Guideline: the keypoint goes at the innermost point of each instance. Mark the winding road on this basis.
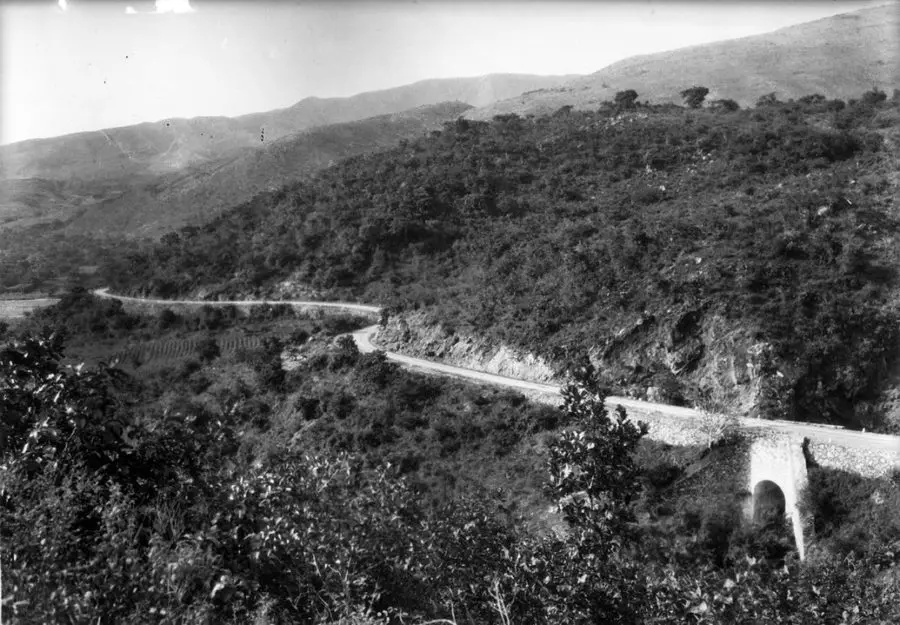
(364, 340)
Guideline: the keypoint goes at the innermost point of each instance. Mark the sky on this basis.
(74, 65)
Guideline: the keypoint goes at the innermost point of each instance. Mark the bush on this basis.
(663, 474)
(207, 349)
(852, 513)
(166, 319)
(726, 105)
(346, 355)
(174, 522)
(694, 96)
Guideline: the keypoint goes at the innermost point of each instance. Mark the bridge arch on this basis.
(777, 477)
(769, 503)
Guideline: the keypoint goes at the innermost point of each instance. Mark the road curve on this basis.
(822, 433)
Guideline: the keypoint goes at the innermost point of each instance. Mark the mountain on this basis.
(480, 91)
(42, 180)
(196, 194)
(171, 144)
(839, 57)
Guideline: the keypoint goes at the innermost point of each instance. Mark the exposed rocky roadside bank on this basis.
(412, 334)
(649, 359)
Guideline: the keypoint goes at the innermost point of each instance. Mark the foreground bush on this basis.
(109, 519)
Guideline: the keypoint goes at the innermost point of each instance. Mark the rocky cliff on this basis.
(413, 335)
(665, 361)
(671, 360)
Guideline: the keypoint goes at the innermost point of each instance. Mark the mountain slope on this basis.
(198, 193)
(839, 57)
(46, 180)
(480, 91)
(172, 144)
(753, 252)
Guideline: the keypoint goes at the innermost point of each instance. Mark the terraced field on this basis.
(16, 308)
(178, 348)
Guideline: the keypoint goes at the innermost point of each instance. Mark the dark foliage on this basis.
(46, 258)
(694, 96)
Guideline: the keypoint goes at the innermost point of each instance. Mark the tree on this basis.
(54, 414)
(626, 99)
(267, 363)
(346, 355)
(593, 476)
(694, 96)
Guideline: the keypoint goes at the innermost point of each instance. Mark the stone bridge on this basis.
(774, 457)
(777, 477)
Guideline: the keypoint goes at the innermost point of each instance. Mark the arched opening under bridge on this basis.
(769, 505)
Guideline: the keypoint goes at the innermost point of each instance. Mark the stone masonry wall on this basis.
(865, 462)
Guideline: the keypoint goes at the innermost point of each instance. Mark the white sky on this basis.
(72, 65)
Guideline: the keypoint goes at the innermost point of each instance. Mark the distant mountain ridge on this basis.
(480, 91)
(840, 57)
(171, 144)
(196, 194)
(81, 174)
(200, 166)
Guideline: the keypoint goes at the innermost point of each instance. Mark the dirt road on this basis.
(364, 341)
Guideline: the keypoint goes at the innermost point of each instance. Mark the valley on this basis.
(610, 347)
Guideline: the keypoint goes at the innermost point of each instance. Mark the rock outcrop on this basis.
(667, 360)
(413, 335)
(660, 360)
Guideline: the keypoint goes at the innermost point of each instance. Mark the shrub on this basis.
(207, 349)
(726, 105)
(768, 99)
(662, 474)
(165, 319)
(626, 99)
(346, 355)
(694, 96)
(850, 512)
(592, 497)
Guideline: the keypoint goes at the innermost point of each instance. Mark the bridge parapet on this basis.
(872, 463)
(865, 454)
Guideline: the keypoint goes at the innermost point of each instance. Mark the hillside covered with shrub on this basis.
(661, 240)
(222, 488)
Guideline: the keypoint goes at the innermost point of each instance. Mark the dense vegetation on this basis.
(557, 233)
(46, 259)
(347, 490)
